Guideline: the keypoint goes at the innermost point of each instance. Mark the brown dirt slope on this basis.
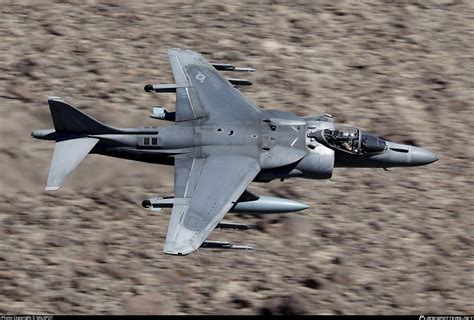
(372, 241)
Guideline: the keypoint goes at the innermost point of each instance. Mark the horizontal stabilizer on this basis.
(66, 157)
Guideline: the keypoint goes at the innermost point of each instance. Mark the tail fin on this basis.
(66, 157)
(73, 147)
(66, 118)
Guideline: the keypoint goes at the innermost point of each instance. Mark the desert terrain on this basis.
(396, 242)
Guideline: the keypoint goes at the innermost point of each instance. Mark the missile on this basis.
(230, 67)
(263, 205)
(171, 87)
(239, 82)
(223, 66)
(156, 204)
(223, 245)
(244, 69)
(234, 226)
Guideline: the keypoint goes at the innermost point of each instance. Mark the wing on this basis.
(202, 92)
(205, 190)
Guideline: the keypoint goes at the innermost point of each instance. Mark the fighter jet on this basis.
(219, 143)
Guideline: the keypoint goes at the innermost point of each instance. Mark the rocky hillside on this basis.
(372, 241)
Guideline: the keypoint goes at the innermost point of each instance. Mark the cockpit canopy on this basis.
(353, 140)
(371, 144)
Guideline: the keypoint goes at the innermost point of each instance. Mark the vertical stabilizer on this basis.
(66, 118)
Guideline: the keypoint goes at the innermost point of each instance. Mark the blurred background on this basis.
(372, 241)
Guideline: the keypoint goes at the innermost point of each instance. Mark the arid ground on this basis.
(372, 242)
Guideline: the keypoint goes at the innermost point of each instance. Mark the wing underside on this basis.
(205, 190)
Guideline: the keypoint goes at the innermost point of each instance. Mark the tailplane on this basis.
(66, 157)
(73, 142)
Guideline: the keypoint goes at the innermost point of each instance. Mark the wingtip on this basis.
(172, 249)
(173, 50)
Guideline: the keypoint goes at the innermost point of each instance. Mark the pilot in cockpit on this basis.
(348, 141)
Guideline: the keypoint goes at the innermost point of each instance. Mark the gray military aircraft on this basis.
(219, 144)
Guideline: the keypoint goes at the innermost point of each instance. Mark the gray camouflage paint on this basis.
(219, 144)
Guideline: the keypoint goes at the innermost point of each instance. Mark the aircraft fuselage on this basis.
(281, 138)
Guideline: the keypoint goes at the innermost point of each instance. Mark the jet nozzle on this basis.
(47, 134)
(148, 88)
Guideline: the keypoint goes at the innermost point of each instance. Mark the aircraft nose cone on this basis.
(420, 156)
